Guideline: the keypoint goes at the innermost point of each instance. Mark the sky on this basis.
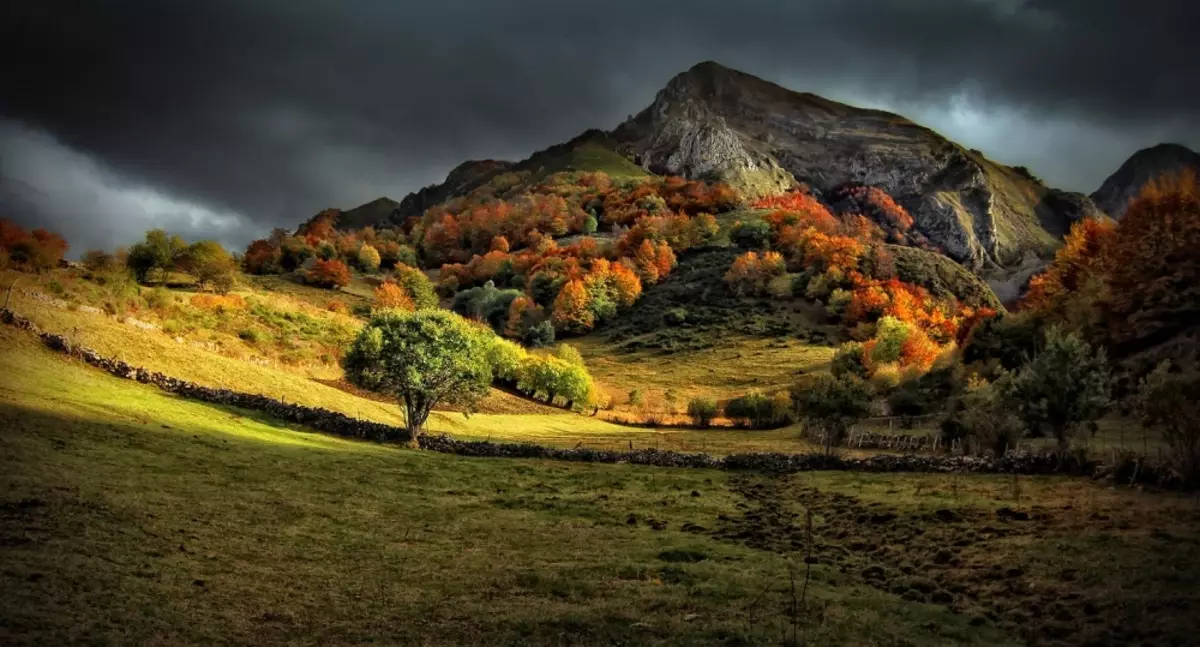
(224, 118)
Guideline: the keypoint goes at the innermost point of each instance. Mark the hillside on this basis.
(1114, 194)
(714, 122)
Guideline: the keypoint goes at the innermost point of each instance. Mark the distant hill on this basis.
(1114, 195)
(376, 212)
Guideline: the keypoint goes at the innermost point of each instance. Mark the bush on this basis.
(675, 316)
(702, 411)
(157, 298)
(252, 336)
(540, 336)
(97, 260)
(829, 405)
(984, 420)
(1168, 401)
(848, 360)
(636, 398)
(338, 306)
(758, 411)
(417, 285)
(754, 234)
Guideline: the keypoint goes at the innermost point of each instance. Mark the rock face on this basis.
(716, 123)
(1114, 195)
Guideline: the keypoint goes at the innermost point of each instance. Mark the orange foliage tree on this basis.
(391, 295)
(329, 274)
(572, 308)
(1154, 266)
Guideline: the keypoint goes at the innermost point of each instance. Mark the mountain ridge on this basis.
(1146, 164)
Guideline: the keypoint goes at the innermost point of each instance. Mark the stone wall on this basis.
(339, 424)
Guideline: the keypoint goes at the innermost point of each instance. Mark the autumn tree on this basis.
(328, 274)
(368, 259)
(572, 309)
(261, 257)
(391, 295)
(1155, 266)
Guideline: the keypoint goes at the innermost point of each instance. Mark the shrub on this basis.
(675, 316)
(98, 260)
(848, 360)
(328, 274)
(391, 295)
(636, 398)
(702, 411)
(157, 298)
(540, 336)
(219, 303)
(754, 234)
(252, 335)
(1168, 401)
(983, 418)
(338, 306)
(829, 405)
(757, 411)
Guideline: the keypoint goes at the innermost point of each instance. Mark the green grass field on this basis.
(132, 516)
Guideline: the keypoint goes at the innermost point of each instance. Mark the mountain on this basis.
(718, 123)
(1113, 196)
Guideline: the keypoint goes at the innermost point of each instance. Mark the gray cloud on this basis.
(274, 109)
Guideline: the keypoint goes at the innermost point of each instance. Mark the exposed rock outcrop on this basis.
(1114, 195)
(718, 123)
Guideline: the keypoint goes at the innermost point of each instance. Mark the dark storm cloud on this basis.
(267, 111)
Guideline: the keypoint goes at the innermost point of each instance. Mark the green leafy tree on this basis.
(212, 266)
(1065, 386)
(702, 411)
(830, 405)
(417, 285)
(159, 252)
(422, 358)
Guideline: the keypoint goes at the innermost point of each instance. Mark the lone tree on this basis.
(1064, 387)
(422, 358)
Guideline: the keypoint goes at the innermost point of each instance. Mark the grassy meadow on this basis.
(135, 517)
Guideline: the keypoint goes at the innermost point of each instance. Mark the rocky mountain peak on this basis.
(716, 123)
(1114, 195)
